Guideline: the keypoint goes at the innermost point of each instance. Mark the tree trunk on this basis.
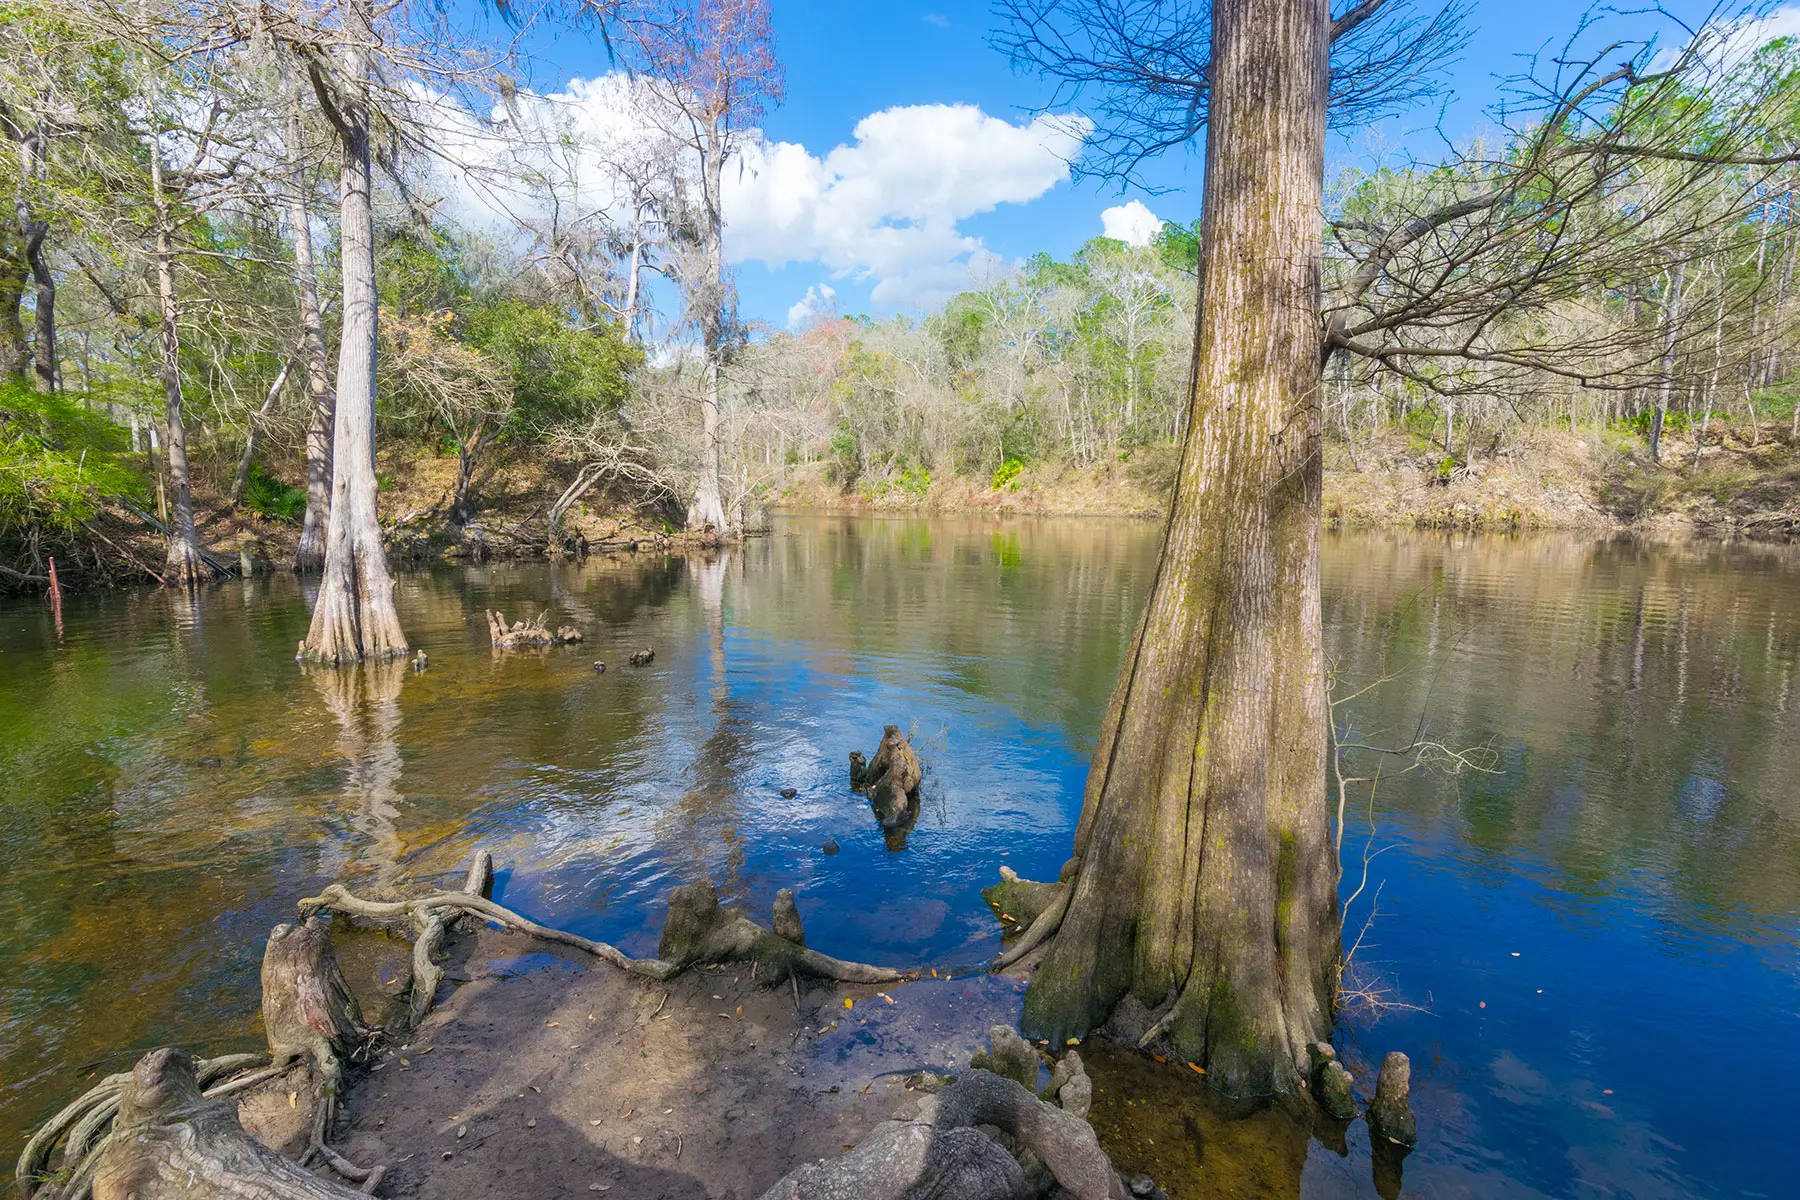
(462, 499)
(310, 554)
(12, 294)
(33, 169)
(355, 616)
(709, 505)
(186, 564)
(1671, 331)
(1205, 870)
(242, 479)
(171, 1143)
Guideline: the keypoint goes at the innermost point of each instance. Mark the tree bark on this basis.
(171, 1143)
(1671, 332)
(462, 499)
(355, 618)
(13, 355)
(186, 564)
(1205, 867)
(310, 554)
(709, 506)
(33, 168)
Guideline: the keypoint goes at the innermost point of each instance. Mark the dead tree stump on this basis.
(698, 930)
(533, 634)
(171, 1143)
(308, 1010)
(895, 758)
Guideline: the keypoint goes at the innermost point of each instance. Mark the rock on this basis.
(1332, 1089)
(789, 793)
(642, 658)
(1077, 1096)
(1391, 1115)
(599, 668)
(787, 918)
(1010, 1057)
(1142, 1185)
(830, 846)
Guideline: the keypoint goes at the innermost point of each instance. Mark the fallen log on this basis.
(533, 634)
(170, 1142)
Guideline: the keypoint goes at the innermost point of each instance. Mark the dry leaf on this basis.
(293, 1099)
(740, 1012)
(596, 1120)
(626, 1113)
(1196, 1070)
(555, 1024)
(849, 1003)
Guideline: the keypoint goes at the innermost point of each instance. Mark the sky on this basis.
(908, 160)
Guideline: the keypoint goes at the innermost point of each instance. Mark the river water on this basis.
(1586, 888)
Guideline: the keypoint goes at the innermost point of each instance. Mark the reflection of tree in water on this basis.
(705, 818)
(365, 700)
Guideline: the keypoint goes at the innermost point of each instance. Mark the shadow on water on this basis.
(1594, 937)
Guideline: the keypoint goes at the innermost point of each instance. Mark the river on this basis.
(1587, 887)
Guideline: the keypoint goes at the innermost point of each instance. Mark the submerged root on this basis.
(1040, 906)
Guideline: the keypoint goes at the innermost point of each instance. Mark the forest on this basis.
(173, 295)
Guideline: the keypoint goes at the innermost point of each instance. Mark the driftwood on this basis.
(942, 1155)
(170, 1142)
(698, 930)
(528, 634)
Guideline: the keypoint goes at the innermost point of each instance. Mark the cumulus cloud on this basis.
(887, 206)
(1132, 223)
(1729, 44)
(819, 300)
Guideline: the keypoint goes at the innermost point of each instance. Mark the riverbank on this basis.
(1746, 484)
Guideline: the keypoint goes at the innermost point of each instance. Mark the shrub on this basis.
(59, 462)
(1007, 473)
(271, 499)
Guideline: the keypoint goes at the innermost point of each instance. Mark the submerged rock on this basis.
(789, 793)
(830, 846)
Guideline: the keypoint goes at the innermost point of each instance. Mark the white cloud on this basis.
(1726, 45)
(1132, 223)
(938, 19)
(887, 206)
(819, 299)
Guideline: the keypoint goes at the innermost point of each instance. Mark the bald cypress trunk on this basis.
(310, 554)
(1206, 871)
(355, 616)
(709, 506)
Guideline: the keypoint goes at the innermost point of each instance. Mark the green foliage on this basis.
(915, 482)
(846, 461)
(273, 500)
(560, 373)
(1673, 422)
(59, 462)
(1006, 475)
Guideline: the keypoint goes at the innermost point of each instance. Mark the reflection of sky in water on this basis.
(170, 783)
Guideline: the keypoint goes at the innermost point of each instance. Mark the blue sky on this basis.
(960, 192)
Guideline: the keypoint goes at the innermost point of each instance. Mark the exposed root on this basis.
(698, 930)
(1040, 931)
(81, 1128)
(528, 634)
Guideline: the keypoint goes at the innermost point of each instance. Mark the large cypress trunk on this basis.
(355, 617)
(12, 295)
(709, 506)
(186, 565)
(1206, 870)
(310, 555)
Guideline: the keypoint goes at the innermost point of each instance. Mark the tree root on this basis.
(171, 1143)
(1040, 932)
(942, 1154)
(80, 1128)
(698, 930)
(528, 634)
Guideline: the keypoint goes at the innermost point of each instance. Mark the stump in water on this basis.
(171, 1143)
(1391, 1115)
(642, 658)
(786, 919)
(894, 759)
(528, 634)
(698, 930)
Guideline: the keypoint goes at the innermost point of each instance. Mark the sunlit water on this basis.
(1589, 950)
